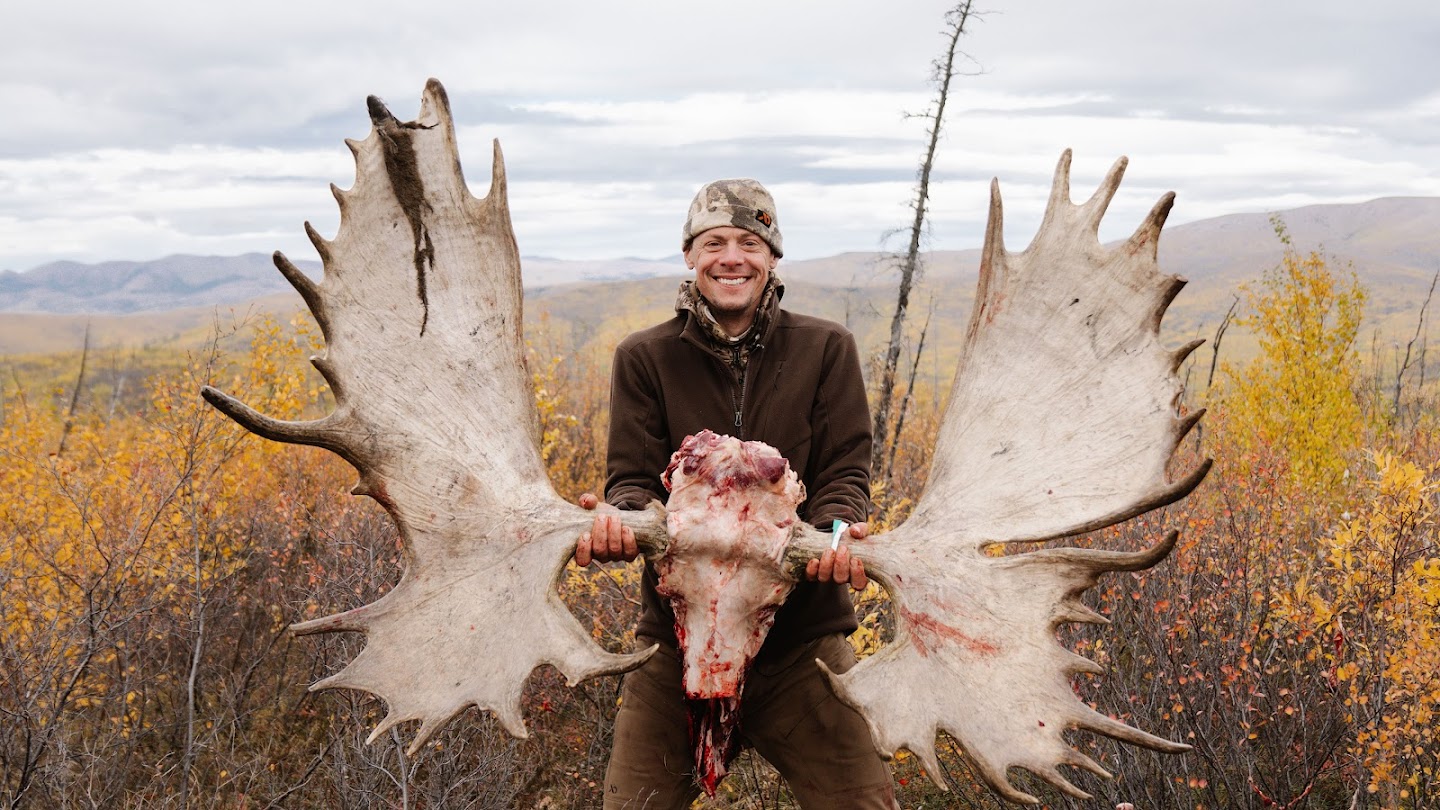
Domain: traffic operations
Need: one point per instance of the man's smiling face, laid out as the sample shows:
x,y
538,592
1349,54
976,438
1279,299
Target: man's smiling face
x,y
731,267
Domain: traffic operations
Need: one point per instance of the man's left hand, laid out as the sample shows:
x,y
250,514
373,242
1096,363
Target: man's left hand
x,y
838,566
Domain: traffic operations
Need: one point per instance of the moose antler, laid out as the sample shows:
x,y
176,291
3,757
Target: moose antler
x,y
420,307
1062,420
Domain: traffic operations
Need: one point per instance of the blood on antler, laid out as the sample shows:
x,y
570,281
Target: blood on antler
x,y
420,307
1062,420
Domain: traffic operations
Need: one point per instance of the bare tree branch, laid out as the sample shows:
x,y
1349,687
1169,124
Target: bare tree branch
x,y
75,397
1409,347
1219,336
909,392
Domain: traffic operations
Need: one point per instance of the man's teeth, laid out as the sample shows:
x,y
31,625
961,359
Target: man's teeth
x,y
732,282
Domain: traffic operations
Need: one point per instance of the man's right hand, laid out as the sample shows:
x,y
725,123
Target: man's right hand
x,y
608,539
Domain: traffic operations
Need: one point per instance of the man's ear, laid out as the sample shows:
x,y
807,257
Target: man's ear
x,y
774,260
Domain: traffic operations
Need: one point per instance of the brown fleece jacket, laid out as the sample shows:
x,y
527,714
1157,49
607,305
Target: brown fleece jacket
x,y
801,392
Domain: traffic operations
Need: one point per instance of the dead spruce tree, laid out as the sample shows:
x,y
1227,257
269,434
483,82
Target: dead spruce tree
x,y
943,71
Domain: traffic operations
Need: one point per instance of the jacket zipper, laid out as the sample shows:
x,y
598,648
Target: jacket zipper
x,y
739,402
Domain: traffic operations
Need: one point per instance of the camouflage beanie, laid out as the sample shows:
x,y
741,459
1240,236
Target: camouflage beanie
x,y
740,203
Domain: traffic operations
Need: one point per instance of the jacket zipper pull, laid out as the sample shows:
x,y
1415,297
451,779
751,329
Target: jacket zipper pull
x,y
737,419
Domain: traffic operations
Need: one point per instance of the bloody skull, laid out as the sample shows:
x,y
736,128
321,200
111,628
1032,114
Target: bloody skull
x,y
730,515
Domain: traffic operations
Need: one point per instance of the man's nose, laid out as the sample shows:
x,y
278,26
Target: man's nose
x,y
733,254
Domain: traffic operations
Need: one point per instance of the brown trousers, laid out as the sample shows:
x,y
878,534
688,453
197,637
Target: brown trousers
x,y
788,715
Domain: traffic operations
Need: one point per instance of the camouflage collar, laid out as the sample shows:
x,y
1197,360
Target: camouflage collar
x,y
739,347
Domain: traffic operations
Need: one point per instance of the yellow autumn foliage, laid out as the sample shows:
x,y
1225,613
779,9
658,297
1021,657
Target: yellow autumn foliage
x,y
135,521
148,571
1298,397
1374,606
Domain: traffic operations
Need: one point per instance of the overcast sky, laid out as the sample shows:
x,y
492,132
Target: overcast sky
x,y
141,129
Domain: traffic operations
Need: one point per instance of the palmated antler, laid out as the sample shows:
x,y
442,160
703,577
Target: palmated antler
x,y
420,307
1062,419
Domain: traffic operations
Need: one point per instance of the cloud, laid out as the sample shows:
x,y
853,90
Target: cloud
x,y
148,128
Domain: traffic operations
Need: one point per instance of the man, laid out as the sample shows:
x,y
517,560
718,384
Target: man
x,y
732,361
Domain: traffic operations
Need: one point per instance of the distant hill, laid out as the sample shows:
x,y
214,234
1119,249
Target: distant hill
x,y
1389,241
181,281
1393,244
173,282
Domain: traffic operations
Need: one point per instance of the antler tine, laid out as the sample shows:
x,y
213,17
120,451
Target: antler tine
x,y
386,723
349,621
1059,186
1098,561
992,255
1187,424
327,370
1156,499
499,193
309,290
432,724
930,760
340,198
498,200
1182,353
1111,727
1147,233
1074,611
1172,287
322,245
323,432
995,776
994,231
1080,760
435,112
1095,207
1079,664
314,301
380,115
1054,777
1052,774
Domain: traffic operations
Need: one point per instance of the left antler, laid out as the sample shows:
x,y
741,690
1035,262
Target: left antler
x,y
420,307
1062,420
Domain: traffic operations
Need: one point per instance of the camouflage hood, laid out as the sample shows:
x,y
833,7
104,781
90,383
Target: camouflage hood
x,y
690,301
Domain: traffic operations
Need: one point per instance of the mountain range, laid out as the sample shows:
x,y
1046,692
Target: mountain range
x,y
1392,244
175,282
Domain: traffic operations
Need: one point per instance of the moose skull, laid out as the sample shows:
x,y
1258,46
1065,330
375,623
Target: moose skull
x,y
730,516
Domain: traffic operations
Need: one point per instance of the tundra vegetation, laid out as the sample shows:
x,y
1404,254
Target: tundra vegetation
x,y
153,555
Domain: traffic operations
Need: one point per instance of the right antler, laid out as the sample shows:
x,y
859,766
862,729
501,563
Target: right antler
x,y
420,308
1062,420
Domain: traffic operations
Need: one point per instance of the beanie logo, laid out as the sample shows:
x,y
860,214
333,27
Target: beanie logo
x,y
765,218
